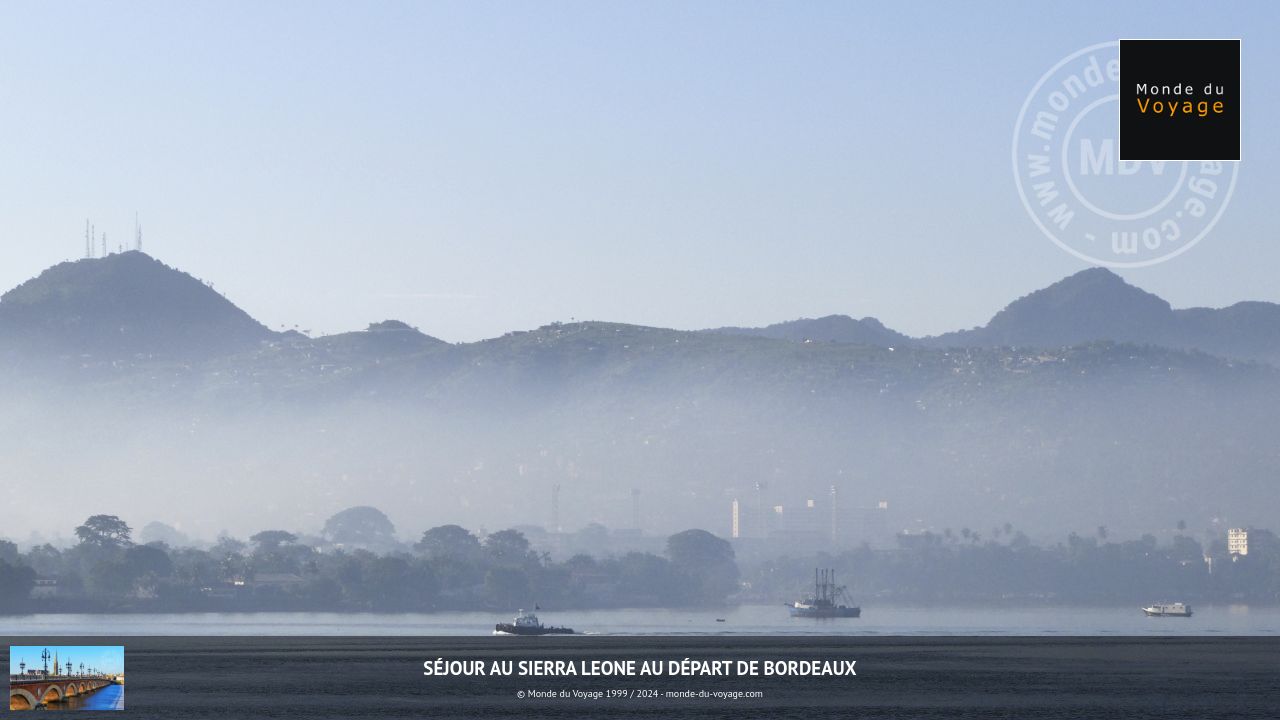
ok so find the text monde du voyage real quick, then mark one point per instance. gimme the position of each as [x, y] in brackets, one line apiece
[1180, 99]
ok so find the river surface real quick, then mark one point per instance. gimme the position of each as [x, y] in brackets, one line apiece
[1208, 620]
[110, 697]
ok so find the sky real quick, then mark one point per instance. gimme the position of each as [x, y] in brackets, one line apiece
[107, 659]
[474, 168]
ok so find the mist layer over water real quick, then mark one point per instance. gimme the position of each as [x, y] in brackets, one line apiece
[742, 620]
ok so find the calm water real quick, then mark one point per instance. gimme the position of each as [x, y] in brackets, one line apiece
[744, 620]
[110, 697]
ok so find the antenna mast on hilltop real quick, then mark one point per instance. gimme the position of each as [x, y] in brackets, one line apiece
[137, 233]
[88, 240]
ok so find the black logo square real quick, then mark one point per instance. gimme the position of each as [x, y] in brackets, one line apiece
[1179, 99]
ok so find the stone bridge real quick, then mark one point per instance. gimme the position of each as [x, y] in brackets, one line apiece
[29, 693]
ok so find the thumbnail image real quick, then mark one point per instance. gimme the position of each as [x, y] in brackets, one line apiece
[66, 677]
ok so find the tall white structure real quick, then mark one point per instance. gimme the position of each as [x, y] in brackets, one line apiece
[1238, 541]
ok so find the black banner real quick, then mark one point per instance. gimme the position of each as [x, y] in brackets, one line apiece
[696, 677]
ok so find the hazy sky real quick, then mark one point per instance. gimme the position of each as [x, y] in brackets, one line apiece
[473, 168]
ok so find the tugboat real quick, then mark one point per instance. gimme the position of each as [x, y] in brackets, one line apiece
[526, 623]
[1168, 610]
[825, 602]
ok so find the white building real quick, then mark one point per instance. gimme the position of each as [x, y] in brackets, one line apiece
[1238, 541]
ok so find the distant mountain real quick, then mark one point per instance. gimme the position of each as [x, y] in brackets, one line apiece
[1098, 305]
[121, 306]
[832, 328]
[1094, 305]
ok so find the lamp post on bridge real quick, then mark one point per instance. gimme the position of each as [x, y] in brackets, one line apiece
[45, 656]
[22, 667]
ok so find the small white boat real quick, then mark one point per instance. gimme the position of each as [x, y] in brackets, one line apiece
[1167, 610]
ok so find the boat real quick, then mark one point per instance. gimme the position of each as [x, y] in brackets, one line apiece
[1167, 610]
[526, 623]
[827, 601]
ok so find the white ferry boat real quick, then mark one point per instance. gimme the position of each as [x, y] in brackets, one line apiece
[1168, 610]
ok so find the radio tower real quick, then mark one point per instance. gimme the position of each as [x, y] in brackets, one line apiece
[137, 233]
[761, 520]
[834, 533]
[88, 240]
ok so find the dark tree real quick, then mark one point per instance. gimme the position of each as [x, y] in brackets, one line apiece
[269, 540]
[147, 562]
[16, 582]
[507, 588]
[707, 562]
[449, 541]
[105, 531]
[698, 549]
[361, 527]
[509, 547]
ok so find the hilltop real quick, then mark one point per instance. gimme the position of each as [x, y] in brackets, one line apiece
[122, 306]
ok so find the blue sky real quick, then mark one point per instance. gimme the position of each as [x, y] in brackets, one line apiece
[107, 659]
[474, 168]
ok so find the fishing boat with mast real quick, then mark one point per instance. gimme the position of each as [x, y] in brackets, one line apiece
[828, 600]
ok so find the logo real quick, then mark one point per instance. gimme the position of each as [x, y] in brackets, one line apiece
[1180, 99]
[1082, 196]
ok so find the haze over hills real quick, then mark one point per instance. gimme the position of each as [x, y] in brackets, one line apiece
[1090, 306]
[168, 403]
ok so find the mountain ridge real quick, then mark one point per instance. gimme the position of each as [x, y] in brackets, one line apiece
[1092, 305]
[130, 304]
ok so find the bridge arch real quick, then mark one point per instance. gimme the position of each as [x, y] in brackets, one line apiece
[52, 694]
[70, 690]
[20, 699]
